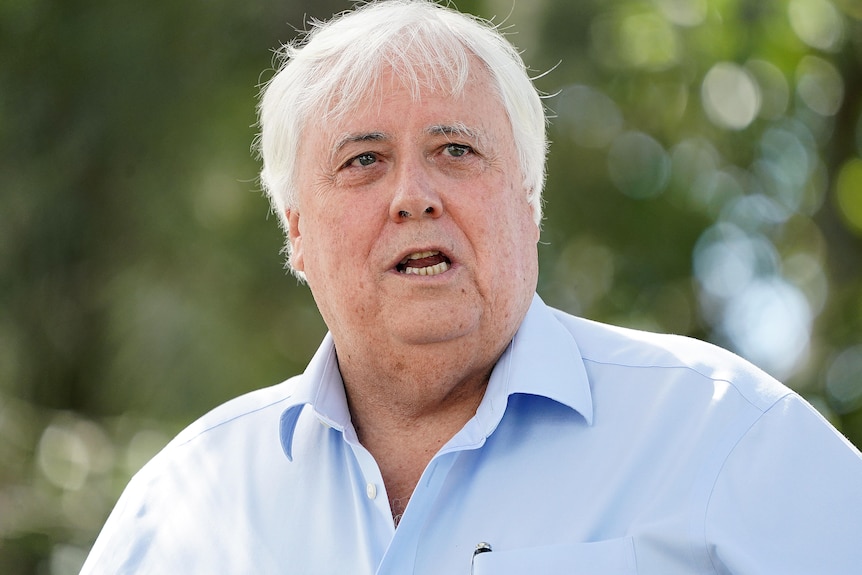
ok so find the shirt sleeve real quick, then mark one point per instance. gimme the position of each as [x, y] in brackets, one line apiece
[788, 499]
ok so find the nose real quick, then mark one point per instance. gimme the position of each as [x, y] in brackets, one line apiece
[415, 195]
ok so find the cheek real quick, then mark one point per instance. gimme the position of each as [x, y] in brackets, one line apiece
[522, 233]
[336, 245]
[318, 249]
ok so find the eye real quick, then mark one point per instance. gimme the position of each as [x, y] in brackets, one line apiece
[365, 159]
[457, 150]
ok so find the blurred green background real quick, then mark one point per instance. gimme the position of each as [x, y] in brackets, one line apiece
[705, 178]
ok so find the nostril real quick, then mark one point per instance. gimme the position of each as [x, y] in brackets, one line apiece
[429, 210]
[404, 214]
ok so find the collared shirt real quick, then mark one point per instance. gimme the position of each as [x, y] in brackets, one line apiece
[596, 450]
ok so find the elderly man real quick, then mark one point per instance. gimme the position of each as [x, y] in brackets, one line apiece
[451, 422]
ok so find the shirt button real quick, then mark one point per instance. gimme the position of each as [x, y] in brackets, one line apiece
[371, 491]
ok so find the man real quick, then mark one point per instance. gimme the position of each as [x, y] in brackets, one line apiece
[450, 422]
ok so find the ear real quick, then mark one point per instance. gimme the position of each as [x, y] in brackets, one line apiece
[533, 217]
[294, 238]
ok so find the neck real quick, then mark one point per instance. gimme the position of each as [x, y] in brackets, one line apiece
[404, 416]
[392, 393]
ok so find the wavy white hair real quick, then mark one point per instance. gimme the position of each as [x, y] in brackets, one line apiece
[325, 73]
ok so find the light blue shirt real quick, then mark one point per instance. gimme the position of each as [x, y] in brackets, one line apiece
[596, 450]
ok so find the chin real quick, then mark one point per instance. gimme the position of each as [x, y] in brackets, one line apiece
[435, 324]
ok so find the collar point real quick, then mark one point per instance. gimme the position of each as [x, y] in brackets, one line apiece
[287, 428]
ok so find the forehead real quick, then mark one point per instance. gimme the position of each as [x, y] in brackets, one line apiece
[395, 104]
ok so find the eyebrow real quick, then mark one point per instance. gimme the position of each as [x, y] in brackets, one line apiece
[457, 129]
[358, 137]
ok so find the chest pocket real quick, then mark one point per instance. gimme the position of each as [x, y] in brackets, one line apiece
[610, 557]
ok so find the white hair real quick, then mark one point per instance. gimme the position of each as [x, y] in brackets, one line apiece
[325, 73]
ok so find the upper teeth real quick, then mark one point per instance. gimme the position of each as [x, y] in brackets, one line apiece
[418, 256]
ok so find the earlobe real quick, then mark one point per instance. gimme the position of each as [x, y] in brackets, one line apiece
[294, 238]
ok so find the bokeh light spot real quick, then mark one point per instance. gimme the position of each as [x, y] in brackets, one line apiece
[649, 42]
[684, 12]
[635, 38]
[784, 166]
[71, 450]
[844, 380]
[713, 190]
[731, 97]
[584, 272]
[63, 457]
[848, 193]
[588, 116]
[774, 89]
[769, 323]
[817, 23]
[690, 159]
[726, 260]
[754, 211]
[819, 85]
[639, 166]
[805, 271]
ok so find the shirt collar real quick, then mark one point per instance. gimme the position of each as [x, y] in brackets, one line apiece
[321, 387]
[543, 359]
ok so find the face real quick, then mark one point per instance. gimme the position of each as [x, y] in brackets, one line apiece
[412, 224]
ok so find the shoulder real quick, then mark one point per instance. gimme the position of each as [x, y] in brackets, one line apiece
[203, 480]
[223, 434]
[242, 410]
[661, 354]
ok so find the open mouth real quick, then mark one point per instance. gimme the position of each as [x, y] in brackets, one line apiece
[424, 264]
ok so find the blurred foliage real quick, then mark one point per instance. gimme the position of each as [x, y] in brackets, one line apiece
[705, 178]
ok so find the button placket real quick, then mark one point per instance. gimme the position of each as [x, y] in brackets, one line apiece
[372, 480]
